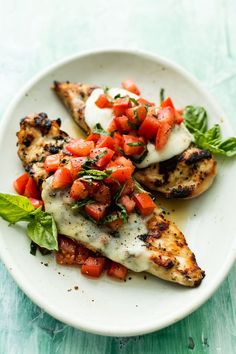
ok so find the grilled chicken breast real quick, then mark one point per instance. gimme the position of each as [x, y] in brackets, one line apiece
[184, 176]
[39, 137]
[152, 244]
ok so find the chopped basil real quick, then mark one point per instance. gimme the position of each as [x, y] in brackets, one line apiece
[117, 96]
[90, 162]
[133, 125]
[139, 187]
[106, 89]
[123, 212]
[80, 203]
[162, 94]
[98, 129]
[196, 120]
[137, 143]
[93, 175]
[139, 159]
[134, 101]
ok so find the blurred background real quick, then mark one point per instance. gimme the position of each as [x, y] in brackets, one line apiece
[200, 35]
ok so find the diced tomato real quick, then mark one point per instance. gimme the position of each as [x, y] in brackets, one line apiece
[36, 202]
[52, 162]
[93, 137]
[133, 145]
[80, 147]
[96, 211]
[103, 102]
[143, 101]
[149, 127]
[123, 161]
[128, 188]
[31, 189]
[162, 135]
[167, 103]
[93, 266]
[105, 141]
[118, 141]
[78, 190]
[81, 254]
[76, 165]
[62, 178]
[166, 115]
[116, 224]
[136, 114]
[102, 194]
[130, 86]
[120, 105]
[178, 118]
[118, 271]
[103, 155]
[112, 126]
[67, 251]
[144, 203]
[122, 124]
[128, 203]
[20, 183]
[122, 169]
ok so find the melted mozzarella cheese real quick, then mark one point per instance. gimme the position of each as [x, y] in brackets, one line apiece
[94, 114]
[127, 249]
[178, 141]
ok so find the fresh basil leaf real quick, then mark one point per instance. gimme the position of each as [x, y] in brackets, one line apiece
[228, 146]
[162, 94]
[98, 129]
[43, 231]
[195, 118]
[15, 208]
[137, 143]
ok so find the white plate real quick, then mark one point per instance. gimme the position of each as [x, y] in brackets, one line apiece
[106, 306]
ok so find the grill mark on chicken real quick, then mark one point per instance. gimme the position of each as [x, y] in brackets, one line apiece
[184, 176]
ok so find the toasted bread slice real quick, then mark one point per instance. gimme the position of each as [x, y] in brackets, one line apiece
[185, 176]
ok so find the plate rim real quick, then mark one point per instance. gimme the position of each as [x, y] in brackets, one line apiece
[5, 255]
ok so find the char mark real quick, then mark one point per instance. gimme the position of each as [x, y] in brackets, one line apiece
[198, 156]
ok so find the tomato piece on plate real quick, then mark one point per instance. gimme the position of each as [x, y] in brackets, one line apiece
[118, 271]
[130, 86]
[136, 114]
[80, 147]
[116, 224]
[118, 140]
[178, 118]
[120, 105]
[144, 203]
[76, 165]
[96, 211]
[81, 254]
[105, 141]
[123, 124]
[143, 101]
[166, 115]
[52, 162]
[166, 118]
[78, 190]
[36, 202]
[103, 156]
[122, 169]
[149, 127]
[67, 251]
[133, 145]
[128, 203]
[128, 187]
[20, 183]
[31, 189]
[103, 101]
[93, 266]
[62, 178]
[112, 126]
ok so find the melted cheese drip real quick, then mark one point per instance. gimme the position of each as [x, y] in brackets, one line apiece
[128, 249]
